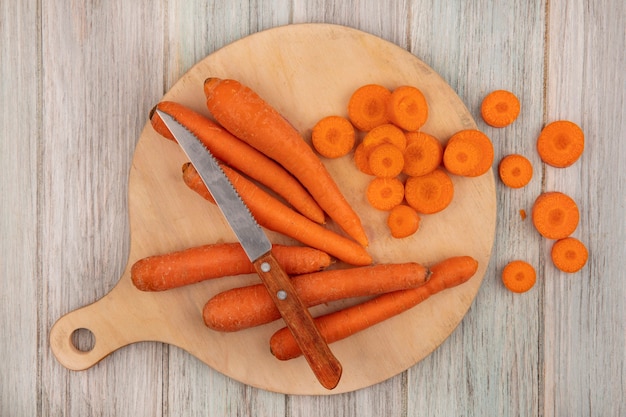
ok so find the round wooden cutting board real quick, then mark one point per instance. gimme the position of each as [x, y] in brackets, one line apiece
[306, 71]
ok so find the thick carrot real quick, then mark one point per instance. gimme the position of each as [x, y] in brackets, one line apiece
[569, 254]
[367, 106]
[192, 265]
[422, 155]
[385, 193]
[430, 193]
[407, 108]
[561, 143]
[515, 170]
[500, 108]
[519, 276]
[246, 115]
[468, 153]
[555, 215]
[386, 161]
[250, 306]
[274, 215]
[333, 136]
[241, 156]
[403, 221]
[343, 323]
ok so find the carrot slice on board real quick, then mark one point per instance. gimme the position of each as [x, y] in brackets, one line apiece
[407, 108]
[385, 193]
[429, 193]
[367, 107]
[468, 153]
[333, 136]
[423, 154]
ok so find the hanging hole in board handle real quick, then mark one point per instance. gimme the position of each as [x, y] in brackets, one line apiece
[83, 340]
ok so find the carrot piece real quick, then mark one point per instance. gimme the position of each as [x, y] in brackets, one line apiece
[423, 154]
[407, 108]
[245, 307]
[569, 254]
[333, 136]
[367, 106]
[385, 133]
[468, 153]
[430, 193]
[246, 115]
[403, 221]
[500, 108]
[200, 263]
[240, 155]
[515, 170]
[386, 161]
[361, 159]
[519, 276]
[555, 215]
[270, 213]
[522, 214]
[344, 323]
[385, 193]
[561, 143]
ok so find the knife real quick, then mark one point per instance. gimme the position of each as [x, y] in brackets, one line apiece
[258, 248]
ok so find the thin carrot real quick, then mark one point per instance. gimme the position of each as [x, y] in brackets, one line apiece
[245, 307]
[569, 254]
[385, 133]
[403, 221]
[274, 215]
[468, 153]
[386, 161]
[192, 265]
[344, 323]
[500, 108]
[561, 143]
[333, 136]
[407, 108]
[518, 276]
[361, 159]
[555, 215]
[367, 106]
[423, 154]
[522, 214]
[515, 170]
[430, 193]
[241, 156]
[246, 115]
[385, 193]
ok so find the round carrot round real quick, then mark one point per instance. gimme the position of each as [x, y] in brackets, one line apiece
[403, 221]
[361, 159]
[333, 136]
[385, 193]
[367, 107]
[569, 254]
[407, 108]
[555, 215]
[515, 171]
[561, 143]
[519, 276]
[500, 108]
[423, 154]
[429, 193]
[386, 161]
[468, 153]
[385, 133]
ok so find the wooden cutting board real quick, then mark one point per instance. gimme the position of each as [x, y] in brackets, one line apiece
[306, 71]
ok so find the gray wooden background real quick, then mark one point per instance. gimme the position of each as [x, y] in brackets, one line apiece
[77, 80]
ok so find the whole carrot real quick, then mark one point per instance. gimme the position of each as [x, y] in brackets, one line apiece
[200, 263]
[246, 115]
[274, 215]
[238, 154]
[244, 307]
[343, 323]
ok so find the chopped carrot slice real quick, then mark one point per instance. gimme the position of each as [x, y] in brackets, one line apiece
[386, 133]
[367, 107]
[561, 143]
[515, 171]
[555, 215]
[423, 154]
[386, 161]
[468, 153]
[403, 221]
[519, 276]
[385, 193]
[333, 136]
[569, 254]
[361, 159]
[500, 108]
[522, 214]
[429, 193]
[407, 108]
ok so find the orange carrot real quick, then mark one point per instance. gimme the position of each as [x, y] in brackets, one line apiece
[423, 154]
[500, 108]
[367, 107]
[518, 276]
[361, 159]
[515, 171]
[192, 265]
[407, 108]
[385, 193]
[344, 323]
[522, 214]
[246, 115]
[333, 136]
[385, 133]
[250, 306]
[403, 221]
[240, 155]
[386, 161]
[468, 153]
[555, 215]
[569, 254]
[430, 193]
[274, 215]
[561, 143]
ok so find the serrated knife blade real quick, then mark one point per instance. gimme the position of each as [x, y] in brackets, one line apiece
[258, 248]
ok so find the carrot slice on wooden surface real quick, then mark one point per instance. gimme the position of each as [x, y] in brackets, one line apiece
[430, 193]
[519, 276]
[468, 153]
[555, 215]
[333, 136]
[561, 143]
[367, 107]
[500, 108]
[385, 133]
[407, 108]
[386, 161]
[422, 155]
[385, 193]
[569, 254]
[515, 170]
[403, 221]
[361, 159]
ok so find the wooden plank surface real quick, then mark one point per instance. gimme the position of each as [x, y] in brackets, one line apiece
[557, 350]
